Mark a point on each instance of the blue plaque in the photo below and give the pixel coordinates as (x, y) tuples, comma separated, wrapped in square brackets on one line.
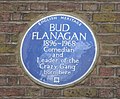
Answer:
[(58, 50)]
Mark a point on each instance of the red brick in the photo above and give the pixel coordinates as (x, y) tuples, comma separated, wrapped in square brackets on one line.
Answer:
[(102, 82), (119, 50), (25, 81), (117, 17), (118, 6), (13, 84), (12, 81), (16, 16), (108, 93), (11, 71), (12, 91), (3, 81), (19, 28), (118, 72), (94, 72), (50, 98), (58, 6), (7, 59), (99, 61), (39, 6), (7, 28), (109, 60), (34, 91), (85, 82), (109, 50), (14, 6), (106, 71), (7, 38), (118, 93), (109, 39), (23, 6), (5, 16), (52, 92), (6, 6)]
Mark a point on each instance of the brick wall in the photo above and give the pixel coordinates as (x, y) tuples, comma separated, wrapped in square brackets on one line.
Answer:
[(104, 18)]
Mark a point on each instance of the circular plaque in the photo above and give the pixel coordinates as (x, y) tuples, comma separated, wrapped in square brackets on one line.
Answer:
[(58, 50)]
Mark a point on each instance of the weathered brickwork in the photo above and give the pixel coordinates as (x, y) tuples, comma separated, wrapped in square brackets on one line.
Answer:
[(103, 16)]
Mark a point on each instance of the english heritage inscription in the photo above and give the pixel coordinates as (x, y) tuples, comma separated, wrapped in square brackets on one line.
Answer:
[(58, 50)]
